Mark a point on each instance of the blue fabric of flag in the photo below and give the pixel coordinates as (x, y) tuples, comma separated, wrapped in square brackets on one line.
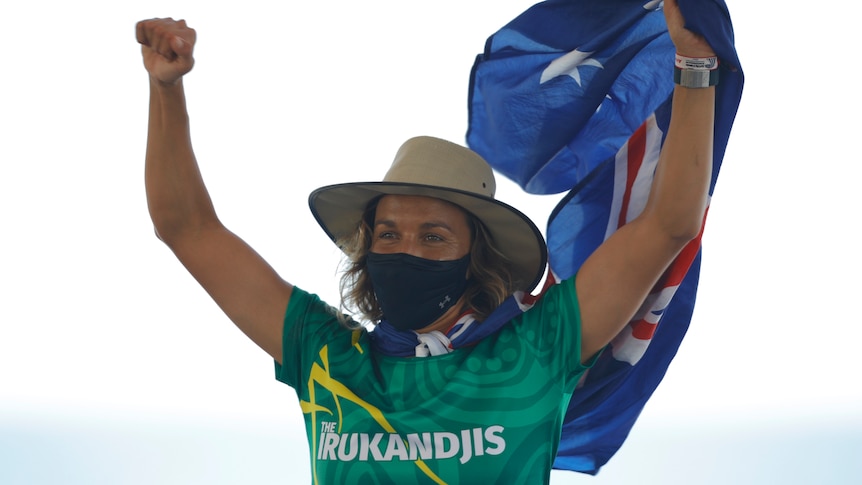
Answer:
[(555, 98)]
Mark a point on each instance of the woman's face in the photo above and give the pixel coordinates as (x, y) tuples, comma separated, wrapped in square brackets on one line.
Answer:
[(424, 227)]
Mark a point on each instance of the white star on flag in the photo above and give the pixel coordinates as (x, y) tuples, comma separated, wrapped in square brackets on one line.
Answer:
[(568, 64)]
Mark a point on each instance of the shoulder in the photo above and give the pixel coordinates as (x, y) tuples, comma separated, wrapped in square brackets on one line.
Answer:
[(558, 301), (310, 327), (304, 305), (551, 324), (310, 320)]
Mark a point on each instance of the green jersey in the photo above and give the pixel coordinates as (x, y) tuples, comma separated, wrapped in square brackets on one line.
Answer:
[(490, 413)]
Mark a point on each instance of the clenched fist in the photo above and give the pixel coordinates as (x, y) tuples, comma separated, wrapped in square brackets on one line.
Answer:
[(687, 43), (167, 47)]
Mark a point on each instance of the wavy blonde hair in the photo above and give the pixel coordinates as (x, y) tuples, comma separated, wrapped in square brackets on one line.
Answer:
[(489, 284)]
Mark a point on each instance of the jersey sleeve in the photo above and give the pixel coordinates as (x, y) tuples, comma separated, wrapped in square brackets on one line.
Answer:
[(308, 323), (553, 329)]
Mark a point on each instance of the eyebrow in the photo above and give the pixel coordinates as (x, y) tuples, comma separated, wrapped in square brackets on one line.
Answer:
[(425, 225)]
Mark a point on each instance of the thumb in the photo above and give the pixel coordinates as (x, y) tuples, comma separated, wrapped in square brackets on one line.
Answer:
[(181, 47)]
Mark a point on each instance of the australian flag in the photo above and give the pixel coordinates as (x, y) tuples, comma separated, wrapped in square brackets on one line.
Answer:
[(574, 96)]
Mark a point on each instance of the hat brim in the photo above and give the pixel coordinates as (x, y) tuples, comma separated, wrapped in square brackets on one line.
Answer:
[(339, 208)]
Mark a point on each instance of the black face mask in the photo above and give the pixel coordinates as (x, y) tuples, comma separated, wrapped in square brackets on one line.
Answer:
[(413, 292)]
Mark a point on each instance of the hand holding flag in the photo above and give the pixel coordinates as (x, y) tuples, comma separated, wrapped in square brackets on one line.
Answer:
[(686, 42)]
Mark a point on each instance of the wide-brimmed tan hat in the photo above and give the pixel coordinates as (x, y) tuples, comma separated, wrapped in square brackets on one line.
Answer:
[(433, 167)]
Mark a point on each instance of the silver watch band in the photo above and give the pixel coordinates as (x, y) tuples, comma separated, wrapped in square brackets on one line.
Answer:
[(691, 78)]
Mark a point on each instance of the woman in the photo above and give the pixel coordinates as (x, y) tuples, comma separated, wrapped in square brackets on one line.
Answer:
[(433, 258)]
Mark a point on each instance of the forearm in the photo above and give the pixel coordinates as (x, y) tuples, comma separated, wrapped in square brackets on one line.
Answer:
[(176, 195), (680, 189)]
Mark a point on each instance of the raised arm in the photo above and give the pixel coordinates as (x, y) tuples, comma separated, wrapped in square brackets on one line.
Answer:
[(614, 281), (246, 288)]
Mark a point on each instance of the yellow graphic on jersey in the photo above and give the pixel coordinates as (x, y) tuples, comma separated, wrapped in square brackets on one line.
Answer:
[(320, 376)]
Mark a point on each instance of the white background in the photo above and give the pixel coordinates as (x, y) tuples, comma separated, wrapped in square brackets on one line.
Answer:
[(115, 367)]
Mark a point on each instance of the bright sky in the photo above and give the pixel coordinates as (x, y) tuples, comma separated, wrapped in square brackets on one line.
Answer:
[(105, 340)]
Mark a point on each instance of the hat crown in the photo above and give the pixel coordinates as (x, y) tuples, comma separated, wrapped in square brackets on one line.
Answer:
[(431, 161)]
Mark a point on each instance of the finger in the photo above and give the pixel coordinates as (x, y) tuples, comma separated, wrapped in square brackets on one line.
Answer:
[(145, 30), (183, 42), (141, 32), (160, 35), (160, 42)]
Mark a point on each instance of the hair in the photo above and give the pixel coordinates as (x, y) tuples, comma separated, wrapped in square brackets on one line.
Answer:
[(490, 280)]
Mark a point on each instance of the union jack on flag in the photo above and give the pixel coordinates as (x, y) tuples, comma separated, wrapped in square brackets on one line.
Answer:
[(574, 96)]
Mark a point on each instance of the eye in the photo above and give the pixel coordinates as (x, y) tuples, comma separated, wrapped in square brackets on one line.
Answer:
[(385, 235), (433, 237)]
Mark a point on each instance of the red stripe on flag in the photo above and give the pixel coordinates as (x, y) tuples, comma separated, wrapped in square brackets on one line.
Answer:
[(643, 330), (550, 280), (636, 151), (680, 265)]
